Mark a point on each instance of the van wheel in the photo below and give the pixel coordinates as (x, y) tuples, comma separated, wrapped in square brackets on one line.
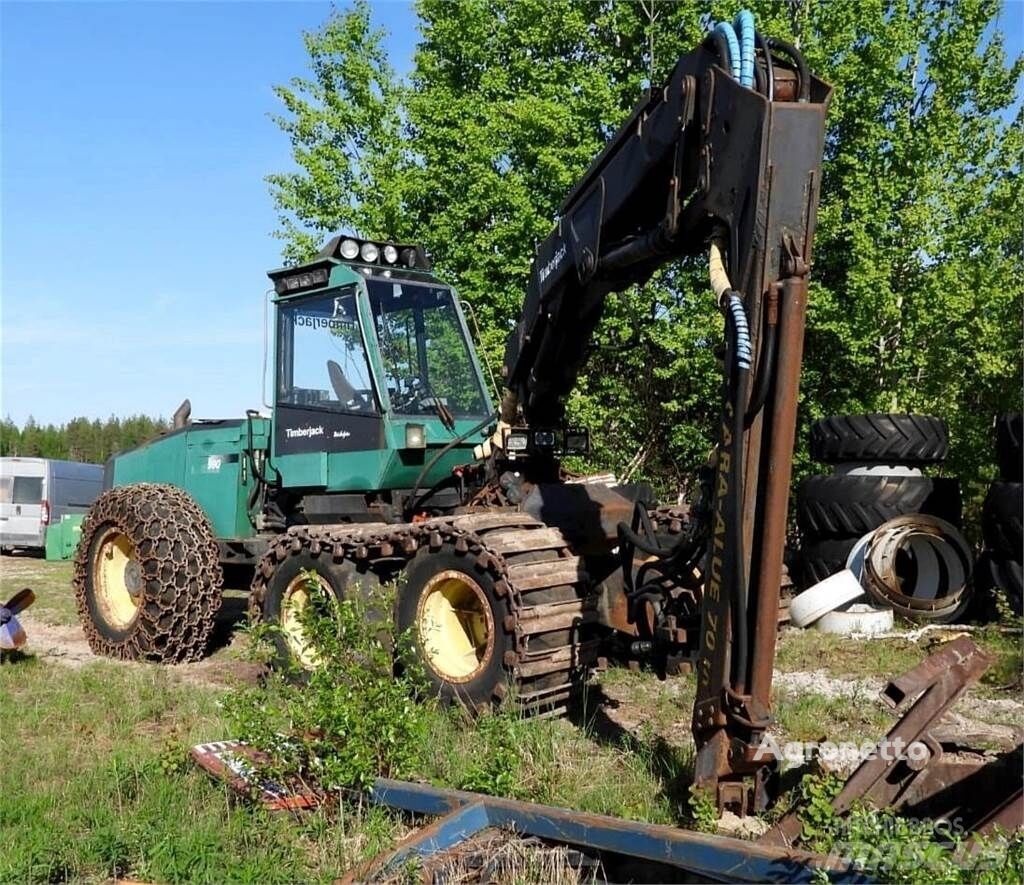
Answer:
[(146, 575)]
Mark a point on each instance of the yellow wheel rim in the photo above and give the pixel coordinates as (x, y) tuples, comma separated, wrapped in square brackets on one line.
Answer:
[(297, 596), (117, 580), (455, 626)]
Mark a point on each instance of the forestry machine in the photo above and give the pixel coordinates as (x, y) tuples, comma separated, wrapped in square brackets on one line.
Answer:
[(383, 459)]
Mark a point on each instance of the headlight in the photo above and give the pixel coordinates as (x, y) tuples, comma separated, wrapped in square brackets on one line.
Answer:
[(516, 442), (369, 252), (415, 436), (544, 439), (349, 249), (390, 254)]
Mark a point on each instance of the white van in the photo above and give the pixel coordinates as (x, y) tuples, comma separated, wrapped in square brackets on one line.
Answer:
[(35, 492)]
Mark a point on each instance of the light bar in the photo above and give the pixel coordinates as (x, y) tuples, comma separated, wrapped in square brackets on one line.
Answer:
[(376, 253)]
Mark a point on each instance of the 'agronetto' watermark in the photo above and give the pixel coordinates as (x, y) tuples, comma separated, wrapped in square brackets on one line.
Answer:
[(841, 751)]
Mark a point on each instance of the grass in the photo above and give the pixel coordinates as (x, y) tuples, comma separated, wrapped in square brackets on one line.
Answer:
[(882, 659), (51, 582), (96, 782)]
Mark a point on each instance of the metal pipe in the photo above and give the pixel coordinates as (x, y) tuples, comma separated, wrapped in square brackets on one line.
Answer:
[(778, 468)]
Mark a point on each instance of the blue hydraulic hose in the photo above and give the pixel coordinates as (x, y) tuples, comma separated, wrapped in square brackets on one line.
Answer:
[(744, 351), (744, 25), (726, 30)]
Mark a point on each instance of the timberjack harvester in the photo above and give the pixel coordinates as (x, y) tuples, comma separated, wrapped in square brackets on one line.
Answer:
[(383, 459)]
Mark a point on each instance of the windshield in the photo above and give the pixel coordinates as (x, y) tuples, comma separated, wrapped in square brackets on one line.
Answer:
[(321, 359), (424, 350)]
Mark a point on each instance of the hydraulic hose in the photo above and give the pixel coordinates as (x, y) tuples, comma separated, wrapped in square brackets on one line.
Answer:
[(726, 30), (798, 59), (721, 47), (739, 380), (739, 361), (769, 69), (740, 644), (765, 371), (744, 26), (716, 269), (743, 353), (414, 494)]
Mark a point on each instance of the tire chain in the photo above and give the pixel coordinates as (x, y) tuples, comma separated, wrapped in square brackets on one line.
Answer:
[(544, 680), (181, 572)]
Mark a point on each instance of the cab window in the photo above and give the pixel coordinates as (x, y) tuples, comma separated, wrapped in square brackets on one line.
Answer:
[(321, 357)]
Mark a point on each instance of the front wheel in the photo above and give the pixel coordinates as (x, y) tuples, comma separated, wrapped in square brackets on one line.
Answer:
[(147, 577), (455, 620)]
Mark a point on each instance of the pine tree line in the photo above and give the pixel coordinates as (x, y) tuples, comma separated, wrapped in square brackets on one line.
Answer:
[(79, 439)]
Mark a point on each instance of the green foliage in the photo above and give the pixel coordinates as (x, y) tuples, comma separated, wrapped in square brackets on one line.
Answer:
[(817, 816), (354, 719), (916, 292), (897, 849), (703, 810), (496, 770), (78, 440)]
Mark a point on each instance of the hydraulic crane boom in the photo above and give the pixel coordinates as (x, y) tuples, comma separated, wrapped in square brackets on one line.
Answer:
[(724, 156)]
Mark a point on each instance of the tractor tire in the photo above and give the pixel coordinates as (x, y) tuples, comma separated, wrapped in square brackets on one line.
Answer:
[(880, 438), (819, 559), (1001, 517), (288, 591), (456, 624), (147, 576), (1009, 451), (851, 506), (1008, 576)]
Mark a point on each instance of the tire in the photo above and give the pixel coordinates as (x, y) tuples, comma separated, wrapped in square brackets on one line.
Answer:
[(1008, 575), (851, 506), (819, 559), (881, 438), (286, 594), (436, 581), (147, 576), (998, 575), (1001, 517), (1009, 452)]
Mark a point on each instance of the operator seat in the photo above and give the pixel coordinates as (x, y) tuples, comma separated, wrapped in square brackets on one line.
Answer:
[(344, 391)]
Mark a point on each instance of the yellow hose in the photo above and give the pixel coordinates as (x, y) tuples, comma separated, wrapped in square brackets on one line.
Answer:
[(716, 268)]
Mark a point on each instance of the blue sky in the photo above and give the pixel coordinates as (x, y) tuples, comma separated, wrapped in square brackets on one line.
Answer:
[(135, 221)]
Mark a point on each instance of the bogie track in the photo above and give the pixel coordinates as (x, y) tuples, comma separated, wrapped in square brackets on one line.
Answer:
[(545, 609)]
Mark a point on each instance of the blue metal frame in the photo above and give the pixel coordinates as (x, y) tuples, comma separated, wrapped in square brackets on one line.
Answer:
[(714, 857)]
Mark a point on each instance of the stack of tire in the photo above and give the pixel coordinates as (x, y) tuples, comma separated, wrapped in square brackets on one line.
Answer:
[(877, 474), (1001, 515)]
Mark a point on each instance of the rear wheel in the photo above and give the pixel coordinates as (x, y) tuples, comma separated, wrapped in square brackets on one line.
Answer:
[(146, 575)]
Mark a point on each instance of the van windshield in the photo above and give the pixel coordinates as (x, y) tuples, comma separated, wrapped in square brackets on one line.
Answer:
[(27, 490)]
